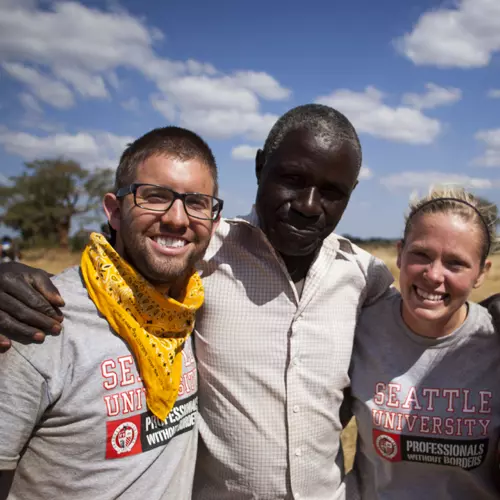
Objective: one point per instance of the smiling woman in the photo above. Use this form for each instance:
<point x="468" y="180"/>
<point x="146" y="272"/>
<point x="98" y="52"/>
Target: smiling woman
<point x="442" y="258"/>
<point x="426" y="363"/>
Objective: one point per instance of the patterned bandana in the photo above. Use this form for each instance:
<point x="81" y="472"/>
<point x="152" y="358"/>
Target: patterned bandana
<point x="154" y="326"/>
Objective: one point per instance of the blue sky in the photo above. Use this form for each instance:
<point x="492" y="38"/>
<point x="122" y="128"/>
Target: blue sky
<point x="420" y="80"/>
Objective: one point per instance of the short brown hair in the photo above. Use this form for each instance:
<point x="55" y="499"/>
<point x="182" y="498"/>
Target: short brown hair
<point x="173" y="142"/>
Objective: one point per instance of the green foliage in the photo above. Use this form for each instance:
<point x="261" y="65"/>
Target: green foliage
<point x="79" y="240"/>
<point x="42" y="201"/>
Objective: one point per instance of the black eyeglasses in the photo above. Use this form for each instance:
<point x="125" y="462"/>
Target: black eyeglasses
<point x="161" y="198"/>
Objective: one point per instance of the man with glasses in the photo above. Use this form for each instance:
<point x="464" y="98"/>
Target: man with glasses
<point x="109" y="408"/>
<point x="161" y="199"/>
<point x="275" y="336"/>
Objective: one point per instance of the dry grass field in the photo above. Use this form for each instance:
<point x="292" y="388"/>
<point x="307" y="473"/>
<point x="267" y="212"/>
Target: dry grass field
<point x="54" y="261"/>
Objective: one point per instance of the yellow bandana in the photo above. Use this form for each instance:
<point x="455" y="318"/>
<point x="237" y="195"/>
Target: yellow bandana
<point x="154" y="326"/>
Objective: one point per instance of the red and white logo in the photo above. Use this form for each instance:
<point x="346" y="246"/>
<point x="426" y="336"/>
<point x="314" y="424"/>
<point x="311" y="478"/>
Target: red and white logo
<point x="124" y="437"/>
<point x="386" y="446"/>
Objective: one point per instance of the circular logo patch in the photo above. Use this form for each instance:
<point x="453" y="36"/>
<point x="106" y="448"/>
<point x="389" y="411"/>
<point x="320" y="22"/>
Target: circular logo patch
<point x="124" y="437"/>
<point x="387" y="446"/>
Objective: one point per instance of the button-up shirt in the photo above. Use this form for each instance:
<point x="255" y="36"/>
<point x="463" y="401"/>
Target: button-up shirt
<point x="273" y="365"/>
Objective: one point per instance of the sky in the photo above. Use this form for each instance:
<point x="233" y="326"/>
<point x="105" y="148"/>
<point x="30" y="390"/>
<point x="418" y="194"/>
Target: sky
<point x="420" y="81"/>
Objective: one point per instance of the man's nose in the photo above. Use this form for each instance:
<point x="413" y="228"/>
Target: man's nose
<point x="308" y="203"/>
<point x="176" y="216"/>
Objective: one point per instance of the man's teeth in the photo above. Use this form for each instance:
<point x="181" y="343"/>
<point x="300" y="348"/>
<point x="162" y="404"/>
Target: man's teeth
<point x="170" y="242"/>
<point x="429" y="296"/>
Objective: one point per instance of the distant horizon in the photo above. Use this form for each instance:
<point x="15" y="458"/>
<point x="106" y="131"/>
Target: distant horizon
<point x="420" y="81"/>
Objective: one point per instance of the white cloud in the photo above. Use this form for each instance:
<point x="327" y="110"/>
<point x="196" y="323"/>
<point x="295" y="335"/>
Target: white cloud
<point x="164" y="107"/>
<point x="491" y="155"/>
<point x="370" y="115"/>
<point x="225" y="123"/>
<point x="365" y="173"/>
<point x="92" y="150"/>
<point x="425" y="179"/>
<point x="434" y="97"/>
<point x="494" y="93"/>
<point x="131" y="104"/>
<point x="71" y="34"/>
<point x="112" y="79"/>
<point x="84" y="83"/>
<point x="71" y="45"/>
<point x="466" y="35"/>
<point x="46" y="89"/>
<point x="244" y="152"/>
<point x="195" y="92"/>
<point x="198" y="68"/>
<point x="30" y="104"/>
<point x="262" y="84"/>
<point x="221" y="106"/>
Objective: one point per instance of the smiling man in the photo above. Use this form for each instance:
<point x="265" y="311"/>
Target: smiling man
<point x="109" y="408"/>
<point x="275" y="335"/>
<point x="274" y="338"/>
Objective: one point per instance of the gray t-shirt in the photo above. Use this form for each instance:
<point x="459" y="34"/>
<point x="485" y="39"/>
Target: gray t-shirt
<point x="74" y="416"/>
<point x="427" y="409"/>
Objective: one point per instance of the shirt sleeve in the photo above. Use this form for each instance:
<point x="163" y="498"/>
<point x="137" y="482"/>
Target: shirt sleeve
<point x="23" y="399"/>
<point x="378" y="281"/>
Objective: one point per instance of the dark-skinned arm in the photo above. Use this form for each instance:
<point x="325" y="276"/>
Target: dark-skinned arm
<point x="29" y="305"/>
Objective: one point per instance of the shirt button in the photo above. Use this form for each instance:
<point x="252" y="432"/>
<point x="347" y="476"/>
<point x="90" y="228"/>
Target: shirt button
<point x="297" y="496"/>
<point x="298" y="452"/>
<point x="296" y="409"/>
<point x="295" y="361"/>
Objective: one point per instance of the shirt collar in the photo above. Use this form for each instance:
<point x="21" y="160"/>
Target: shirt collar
<point x="252" y="218"/>
<point x="331" y="243"/>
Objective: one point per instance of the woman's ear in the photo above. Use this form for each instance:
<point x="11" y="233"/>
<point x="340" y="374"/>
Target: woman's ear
<point x="484" y="272"/>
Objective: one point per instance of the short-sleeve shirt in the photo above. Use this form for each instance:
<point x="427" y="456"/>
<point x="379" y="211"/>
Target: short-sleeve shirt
<point x="428" y="410"/>
<point x="74" y="418"/>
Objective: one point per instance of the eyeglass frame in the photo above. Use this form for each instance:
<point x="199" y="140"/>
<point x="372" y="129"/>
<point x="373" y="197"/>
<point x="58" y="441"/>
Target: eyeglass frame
<point x="132" y="189"/>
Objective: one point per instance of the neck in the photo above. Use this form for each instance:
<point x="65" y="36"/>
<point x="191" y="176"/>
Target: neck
<point x="298" y="266"/>
<point x="435" y="329"/>
<point x="173" y="289"/>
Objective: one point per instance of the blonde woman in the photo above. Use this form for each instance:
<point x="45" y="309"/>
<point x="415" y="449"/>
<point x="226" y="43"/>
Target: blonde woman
<point x="426" y="363"/>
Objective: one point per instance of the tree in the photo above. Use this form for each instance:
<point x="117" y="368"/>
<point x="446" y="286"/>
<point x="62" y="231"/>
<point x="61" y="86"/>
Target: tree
<point x="42" y="201"/>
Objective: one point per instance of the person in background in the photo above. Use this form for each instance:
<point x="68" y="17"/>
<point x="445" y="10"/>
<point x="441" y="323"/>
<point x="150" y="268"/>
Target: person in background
<point x="109" y="409"/>
<point x="9" y="251"/>
<point x="426" y="363"/>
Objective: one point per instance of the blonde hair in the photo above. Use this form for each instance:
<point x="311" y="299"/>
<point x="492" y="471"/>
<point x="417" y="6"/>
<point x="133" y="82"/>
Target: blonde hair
<point x="460" y="202"/>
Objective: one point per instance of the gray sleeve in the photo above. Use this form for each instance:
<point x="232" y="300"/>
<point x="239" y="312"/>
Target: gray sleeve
<point x="23" y="399"/>
<point x="352" y="486"/>
<point x="378" y="281"/>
